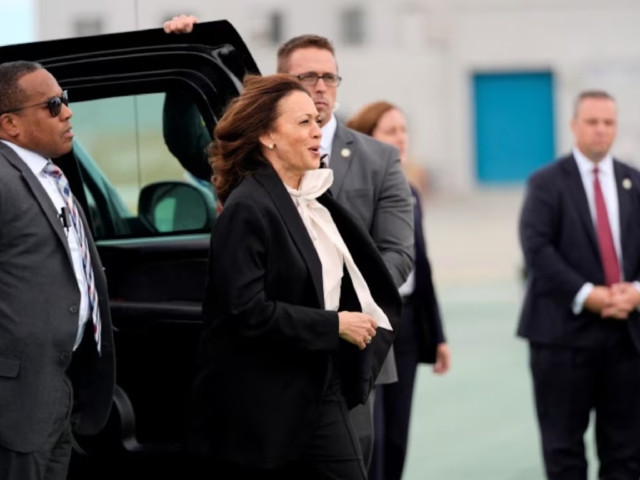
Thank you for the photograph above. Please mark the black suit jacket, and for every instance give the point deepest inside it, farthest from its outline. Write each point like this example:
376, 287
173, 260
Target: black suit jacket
39, 300
561, 251
269, 347
426, 311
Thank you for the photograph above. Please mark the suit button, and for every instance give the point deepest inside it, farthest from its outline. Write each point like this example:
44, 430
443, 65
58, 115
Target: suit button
73, 309
64, 358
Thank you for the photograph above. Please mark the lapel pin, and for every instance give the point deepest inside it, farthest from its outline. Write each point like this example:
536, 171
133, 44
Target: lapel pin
626, 184
345, 152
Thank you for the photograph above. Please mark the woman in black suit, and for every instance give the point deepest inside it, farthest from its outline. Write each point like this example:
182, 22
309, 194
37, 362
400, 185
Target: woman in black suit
292, 334
420, 335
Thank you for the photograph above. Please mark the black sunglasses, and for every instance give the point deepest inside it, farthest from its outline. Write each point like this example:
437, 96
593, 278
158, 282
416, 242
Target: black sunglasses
53, 104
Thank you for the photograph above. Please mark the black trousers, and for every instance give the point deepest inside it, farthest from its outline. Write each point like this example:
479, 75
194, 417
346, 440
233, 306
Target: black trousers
362, 420
570, 384
392, 412
333, 452
51, 460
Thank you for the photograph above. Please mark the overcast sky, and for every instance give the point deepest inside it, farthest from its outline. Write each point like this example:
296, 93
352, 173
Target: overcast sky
17, 21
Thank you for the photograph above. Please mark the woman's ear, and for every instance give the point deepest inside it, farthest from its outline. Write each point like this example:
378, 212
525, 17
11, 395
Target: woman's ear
266, 141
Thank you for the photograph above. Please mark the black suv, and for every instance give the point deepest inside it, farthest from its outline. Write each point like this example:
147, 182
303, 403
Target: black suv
142, 176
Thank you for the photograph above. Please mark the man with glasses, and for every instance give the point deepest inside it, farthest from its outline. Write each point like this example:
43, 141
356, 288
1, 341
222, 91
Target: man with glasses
368, 179
57, 368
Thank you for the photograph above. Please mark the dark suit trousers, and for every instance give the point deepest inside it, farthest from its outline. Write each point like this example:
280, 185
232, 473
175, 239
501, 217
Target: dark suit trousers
51, 461
361, 417
393, 405
570, 383
333, 452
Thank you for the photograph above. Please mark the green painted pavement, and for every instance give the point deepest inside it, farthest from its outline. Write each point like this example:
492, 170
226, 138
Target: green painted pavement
478, 421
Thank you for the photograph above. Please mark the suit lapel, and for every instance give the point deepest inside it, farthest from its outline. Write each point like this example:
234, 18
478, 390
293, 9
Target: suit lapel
419, 247
268, 178
39, 193
578, 196
625, 189
342, 151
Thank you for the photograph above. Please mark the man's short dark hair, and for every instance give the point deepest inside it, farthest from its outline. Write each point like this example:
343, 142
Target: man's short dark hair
302, 41
600, 94
11, 95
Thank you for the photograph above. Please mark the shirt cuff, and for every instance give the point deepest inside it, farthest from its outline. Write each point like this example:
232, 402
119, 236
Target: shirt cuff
581, 297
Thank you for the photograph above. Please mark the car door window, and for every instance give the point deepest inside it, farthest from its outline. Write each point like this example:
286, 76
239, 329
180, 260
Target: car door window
127, 167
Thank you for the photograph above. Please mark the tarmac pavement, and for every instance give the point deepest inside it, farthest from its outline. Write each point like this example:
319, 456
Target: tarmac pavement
478, 421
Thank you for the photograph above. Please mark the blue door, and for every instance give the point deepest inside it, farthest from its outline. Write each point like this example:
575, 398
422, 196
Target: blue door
514, 125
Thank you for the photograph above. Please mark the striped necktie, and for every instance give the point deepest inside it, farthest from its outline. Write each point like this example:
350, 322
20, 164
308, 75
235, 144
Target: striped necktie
63, 185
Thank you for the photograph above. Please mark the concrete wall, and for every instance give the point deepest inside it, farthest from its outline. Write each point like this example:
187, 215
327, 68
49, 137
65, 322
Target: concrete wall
422, 55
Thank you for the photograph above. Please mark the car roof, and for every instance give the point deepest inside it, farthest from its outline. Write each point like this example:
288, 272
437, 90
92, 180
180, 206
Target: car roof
211, 61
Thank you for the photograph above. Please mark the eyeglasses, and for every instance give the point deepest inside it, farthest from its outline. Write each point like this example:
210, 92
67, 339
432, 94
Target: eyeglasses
53, 104
311, 78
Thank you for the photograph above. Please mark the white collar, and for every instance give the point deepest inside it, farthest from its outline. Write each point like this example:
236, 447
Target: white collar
328, 132
313, 184
586, 166
34, 161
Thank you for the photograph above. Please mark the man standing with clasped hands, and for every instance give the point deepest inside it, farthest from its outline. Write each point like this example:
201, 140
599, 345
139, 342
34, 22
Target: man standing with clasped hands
57, 368
580, 234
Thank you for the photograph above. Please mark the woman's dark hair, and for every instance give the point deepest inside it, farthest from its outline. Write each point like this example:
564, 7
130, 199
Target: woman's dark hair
367, 118
236, 151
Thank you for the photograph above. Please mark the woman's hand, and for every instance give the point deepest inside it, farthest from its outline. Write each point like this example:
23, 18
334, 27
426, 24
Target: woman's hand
443, 359
357, 328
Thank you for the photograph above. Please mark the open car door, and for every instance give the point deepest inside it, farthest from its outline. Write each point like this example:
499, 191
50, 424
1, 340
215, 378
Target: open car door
145, 104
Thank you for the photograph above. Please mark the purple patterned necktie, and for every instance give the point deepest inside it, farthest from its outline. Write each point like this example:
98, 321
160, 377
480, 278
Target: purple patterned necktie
63, 185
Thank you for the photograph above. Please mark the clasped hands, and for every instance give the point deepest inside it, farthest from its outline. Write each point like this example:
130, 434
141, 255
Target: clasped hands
616, 301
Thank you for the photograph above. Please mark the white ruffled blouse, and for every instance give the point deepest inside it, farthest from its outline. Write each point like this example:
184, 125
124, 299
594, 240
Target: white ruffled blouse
330, 246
